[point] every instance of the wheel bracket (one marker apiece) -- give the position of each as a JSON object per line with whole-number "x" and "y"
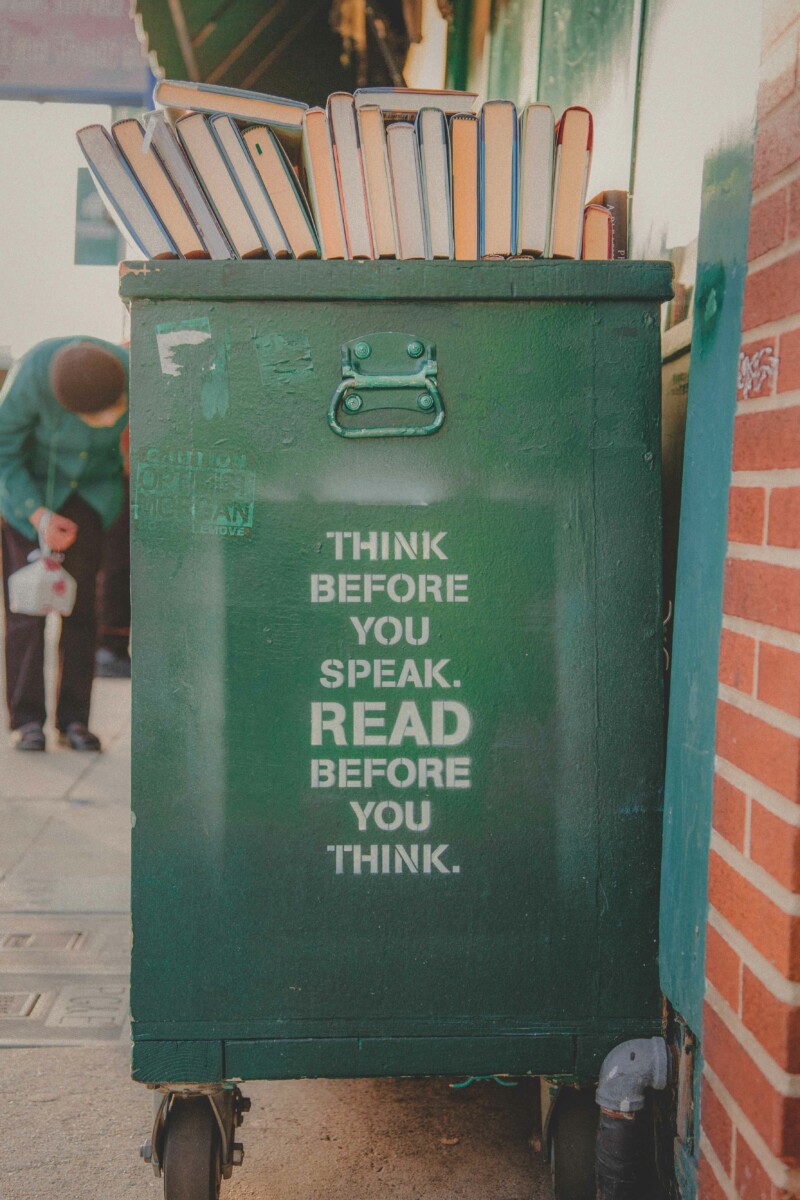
{"x": 228, "y": 1106}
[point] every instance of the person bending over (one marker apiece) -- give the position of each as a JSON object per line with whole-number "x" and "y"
{"x": 62, "y": 410}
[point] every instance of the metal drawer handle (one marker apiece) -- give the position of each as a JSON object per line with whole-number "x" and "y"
{"x": 387, "y": 372}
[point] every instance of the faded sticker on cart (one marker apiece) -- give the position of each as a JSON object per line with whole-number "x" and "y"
{"x": 207, "y": 491}
{"x": 187, "y": 351}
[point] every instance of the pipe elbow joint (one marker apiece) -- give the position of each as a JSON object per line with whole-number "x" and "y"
{"x": 628, "y": 1070}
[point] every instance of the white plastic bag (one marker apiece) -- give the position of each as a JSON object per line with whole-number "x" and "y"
{"x": 43, "y": 586}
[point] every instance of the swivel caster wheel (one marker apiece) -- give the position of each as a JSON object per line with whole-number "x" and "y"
{"x": 572, "y": 1145}
{"x": 192, "y": 1152}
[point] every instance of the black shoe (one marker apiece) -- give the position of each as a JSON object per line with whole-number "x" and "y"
{"x": 109, "y": 665}
{"x": 29, "y": 737}
{"x": 78, "y": 737}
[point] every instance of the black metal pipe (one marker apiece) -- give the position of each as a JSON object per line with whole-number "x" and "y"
{"x": 623, "y": 1156}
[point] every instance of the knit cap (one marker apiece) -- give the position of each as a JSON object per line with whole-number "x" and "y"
{"x": 86, "y": 378}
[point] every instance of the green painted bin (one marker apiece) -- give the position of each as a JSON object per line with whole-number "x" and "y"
{"x": 397, "y": 691}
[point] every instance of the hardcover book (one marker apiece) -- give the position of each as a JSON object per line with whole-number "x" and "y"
{"x": 598, "y": 239}
{"x": 157, "y": 185}
{"x": 123, "y": 196}
{"x": 211, "y": 167}
{"x": 323, "y": 190}
{"x": 257, "y": 199}
{"x": 350, "y": 174}
{"x": 572, "y": 162}
{"x": 498, "y": 133}
{"x": 537, "y": 138}
{"x": 435, "y": 163}
{"x": 403, "y": 147}
{"x": 177, "y": 165}
{"x": 372, "y": 134}
{"x": 234, "y": 102}
{"x": 616, "y": 202}
{"x": 464, "y": 155}
{"x": 280, "y": 182}
{"x": 406, "y": 102}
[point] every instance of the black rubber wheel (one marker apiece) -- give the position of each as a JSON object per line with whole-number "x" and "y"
{"x": 192, "y": 1151}
{"x": 572, "y": 1145}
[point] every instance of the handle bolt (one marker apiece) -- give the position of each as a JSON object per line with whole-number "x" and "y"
{"x": 415, "y": 349}
{"x": 425, "y": 401}
{"x": 353, "y": 403}
{"x": 362, "y": 349}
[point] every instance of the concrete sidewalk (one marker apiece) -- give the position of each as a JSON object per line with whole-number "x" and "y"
{"x": 72, "y": 1118}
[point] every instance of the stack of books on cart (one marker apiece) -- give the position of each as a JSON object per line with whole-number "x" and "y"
{"x": 385, "y": 173}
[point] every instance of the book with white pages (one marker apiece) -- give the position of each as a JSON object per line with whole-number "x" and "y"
{"x": 536, "y": 145}
{"x": 465, "y": 175}
{"x": 598, "y": 233}
{"x": 498, "y": 138}
{"x": 574, "y": 134}
{"x": 406, "y": 102}
{"x": 323, "y": 190}
{"x": 372, "y": 135}
{"x": 178, "y": 167}
{"x": 409, "y": 202}
{"x": 434, "y": 153}
{"x": 349, "y": 174}
{"x": 122, "y": 194}
{"x": 280, "y": 183}
{"x": 211, "y": 167}
{"x": 145, "y": 162}
{"x": 238, "y": 103}
{"x": 262, "y": 210}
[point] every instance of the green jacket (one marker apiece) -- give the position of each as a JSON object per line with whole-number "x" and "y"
{"x": 48, "y": 454}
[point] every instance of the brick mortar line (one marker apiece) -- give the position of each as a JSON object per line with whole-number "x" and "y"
{"x": 777, "y": 477}
{"x": 723, "y": 1179}
{"x": 776, "y": 717}
{"x": 768, "y": 329}
{"x": 754, "y": 789}
{"x": 784, "y": 1082}
{"x": 776, "y": 402}
{"x": 773, "y": 556}
{"x": 784, "y": 638}
{"x": 776, "y": 984}
{"x": 764, "y": 537}
{"x": 779, "y": 1173}
{"x": 775, "y": 255}
{"x": 769, "y": 188}
{"x": 748, "y": 826}
{"x": 786, "y": 176}
{"x": 788, "y": 902}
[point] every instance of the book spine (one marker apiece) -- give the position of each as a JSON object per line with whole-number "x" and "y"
{"x": 180, "y": 172}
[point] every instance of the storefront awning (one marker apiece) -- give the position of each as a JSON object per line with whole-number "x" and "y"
{"x": 300, "y": 48}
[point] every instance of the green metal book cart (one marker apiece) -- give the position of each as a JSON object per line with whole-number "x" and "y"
{"x": 397, "y": 692}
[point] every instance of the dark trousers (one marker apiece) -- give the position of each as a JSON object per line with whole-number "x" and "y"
{"x": 114, "y": 582}
{"x": 25, "y": 635}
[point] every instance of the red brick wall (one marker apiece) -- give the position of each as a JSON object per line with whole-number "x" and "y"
{"x": 750, "y": 1112}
